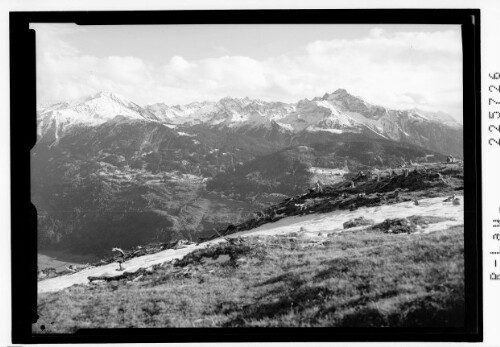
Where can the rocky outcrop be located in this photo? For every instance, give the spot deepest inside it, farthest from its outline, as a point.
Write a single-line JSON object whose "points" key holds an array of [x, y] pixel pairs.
{"points": [[389, 187], [396, 226], [361, 221]]}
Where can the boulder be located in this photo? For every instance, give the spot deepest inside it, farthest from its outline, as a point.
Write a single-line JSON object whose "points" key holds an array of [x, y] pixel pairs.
{"points": [[360, 221], [396, 226]]}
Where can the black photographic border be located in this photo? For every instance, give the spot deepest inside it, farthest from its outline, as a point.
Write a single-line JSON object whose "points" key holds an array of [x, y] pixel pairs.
{"points": [[23, 137]]}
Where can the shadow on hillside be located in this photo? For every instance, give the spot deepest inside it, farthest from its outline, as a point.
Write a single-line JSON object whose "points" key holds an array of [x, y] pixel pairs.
{"points": [[291, 300], [419, 312], [428, 311]]}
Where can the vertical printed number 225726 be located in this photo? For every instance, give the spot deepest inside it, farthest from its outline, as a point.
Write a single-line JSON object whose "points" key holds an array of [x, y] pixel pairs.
{"points": [[492, 104]]}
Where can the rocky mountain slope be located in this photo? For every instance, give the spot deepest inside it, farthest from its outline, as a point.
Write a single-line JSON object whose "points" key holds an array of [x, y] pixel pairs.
{"points": [[54, 121], [338, 112]]}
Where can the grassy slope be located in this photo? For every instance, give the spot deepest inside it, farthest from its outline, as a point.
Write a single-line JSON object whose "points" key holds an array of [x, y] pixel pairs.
{"points": [[363, 278]]}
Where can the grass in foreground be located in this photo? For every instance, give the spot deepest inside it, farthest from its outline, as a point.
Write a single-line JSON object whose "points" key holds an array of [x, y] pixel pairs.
{"points": [[363, 278]]}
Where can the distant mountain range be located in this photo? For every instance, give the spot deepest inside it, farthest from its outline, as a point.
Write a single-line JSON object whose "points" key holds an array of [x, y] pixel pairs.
{"points": [[107, 172], [338, 112]]}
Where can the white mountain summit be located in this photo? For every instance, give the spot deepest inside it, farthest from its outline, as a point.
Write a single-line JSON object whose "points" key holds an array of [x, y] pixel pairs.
{"points": [[229, 112], [336, 113], [89, 111]]}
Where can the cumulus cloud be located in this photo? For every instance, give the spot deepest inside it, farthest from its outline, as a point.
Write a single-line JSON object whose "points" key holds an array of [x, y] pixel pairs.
{"points": [[402, 69], [65, 73], [385, 67]]}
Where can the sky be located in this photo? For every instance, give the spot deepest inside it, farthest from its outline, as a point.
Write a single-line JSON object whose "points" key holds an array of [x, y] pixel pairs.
{"points": [[397, 66]]}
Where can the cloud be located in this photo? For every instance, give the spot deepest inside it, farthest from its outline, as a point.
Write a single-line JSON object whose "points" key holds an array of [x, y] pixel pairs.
{"points": [[402, 69], [226, 72], [384, 68]]}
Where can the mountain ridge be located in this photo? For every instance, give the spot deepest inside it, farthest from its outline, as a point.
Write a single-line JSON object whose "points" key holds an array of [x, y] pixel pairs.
{"points": [[335, 112]]}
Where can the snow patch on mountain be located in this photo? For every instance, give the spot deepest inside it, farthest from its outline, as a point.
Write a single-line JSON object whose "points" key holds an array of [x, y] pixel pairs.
{"points": [[288, 127], [333, 131], [333, 221], [438, 117], [193, 113]]}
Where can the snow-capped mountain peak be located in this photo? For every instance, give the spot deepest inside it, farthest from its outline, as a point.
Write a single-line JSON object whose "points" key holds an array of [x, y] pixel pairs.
{"points": [[227, 112], [91, 111]]}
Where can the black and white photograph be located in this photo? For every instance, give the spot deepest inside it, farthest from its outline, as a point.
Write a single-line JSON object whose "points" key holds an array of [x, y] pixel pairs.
{"points": [[266, 175], [248, 176]]}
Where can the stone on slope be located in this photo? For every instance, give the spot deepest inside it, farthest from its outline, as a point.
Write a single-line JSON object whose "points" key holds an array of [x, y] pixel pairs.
{"points": [[357, 222]]}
